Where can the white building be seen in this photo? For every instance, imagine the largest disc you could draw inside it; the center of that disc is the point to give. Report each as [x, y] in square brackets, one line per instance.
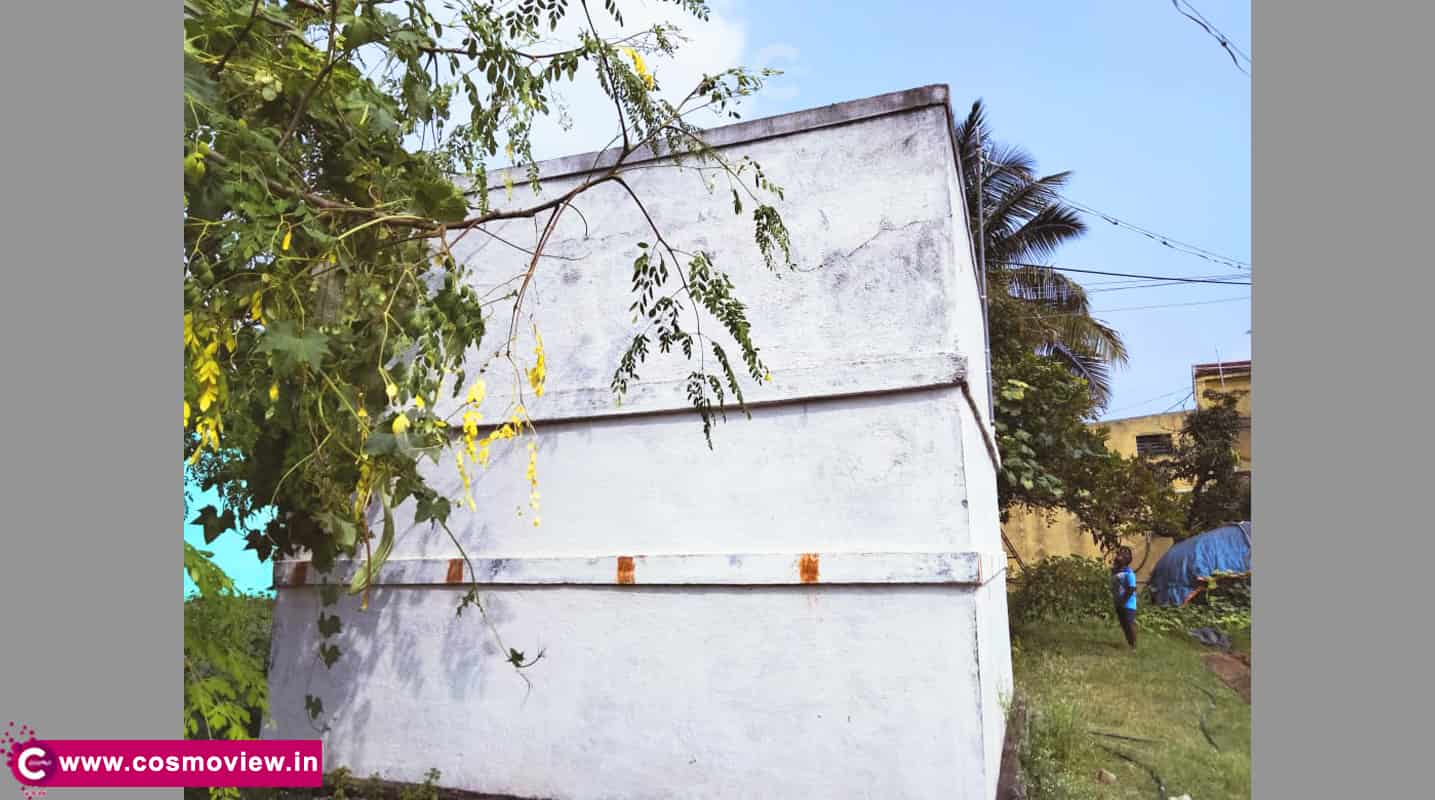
[815, 608]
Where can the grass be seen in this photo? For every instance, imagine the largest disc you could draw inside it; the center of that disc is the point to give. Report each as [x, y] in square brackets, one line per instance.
[1080, 677]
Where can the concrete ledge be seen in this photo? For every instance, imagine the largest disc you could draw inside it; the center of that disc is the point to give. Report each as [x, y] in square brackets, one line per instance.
[792, 385]
[738, 133]
[706, 569]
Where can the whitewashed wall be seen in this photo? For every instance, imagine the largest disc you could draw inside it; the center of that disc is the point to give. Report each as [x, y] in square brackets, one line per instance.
[720, 666]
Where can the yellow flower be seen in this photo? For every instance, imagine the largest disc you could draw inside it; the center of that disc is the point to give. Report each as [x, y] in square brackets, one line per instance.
[186, 414]
[288, 237]
[767, 377]
[477, 392]
[273, 392]
[419, 401]
[639, 67]
[539, 373]
[391, 390]
[363, 415]
[401, 423]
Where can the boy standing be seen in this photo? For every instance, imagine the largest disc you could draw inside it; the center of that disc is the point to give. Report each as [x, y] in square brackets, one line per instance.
[1123, 592]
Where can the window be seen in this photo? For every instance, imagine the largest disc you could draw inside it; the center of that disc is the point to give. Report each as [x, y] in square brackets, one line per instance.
[1154, 444]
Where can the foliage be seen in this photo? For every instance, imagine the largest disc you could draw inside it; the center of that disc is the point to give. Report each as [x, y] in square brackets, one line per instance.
[226, 655]
[1053, 459]
[1061, 588]
[1022, 221]
[1040, 421]
[1053, 737]
[325, 309]
[1206, 457]
[1117, 499]
[1075, 588]
[1050, 359]
[1224, 603]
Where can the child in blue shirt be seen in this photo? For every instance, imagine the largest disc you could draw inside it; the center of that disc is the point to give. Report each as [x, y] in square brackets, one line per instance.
[1123, 592]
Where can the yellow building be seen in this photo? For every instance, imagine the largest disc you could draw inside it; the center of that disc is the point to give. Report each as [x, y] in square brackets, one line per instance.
[1033, 536]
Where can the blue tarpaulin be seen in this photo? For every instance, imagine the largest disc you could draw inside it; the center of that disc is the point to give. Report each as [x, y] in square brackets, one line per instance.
[1179, 574]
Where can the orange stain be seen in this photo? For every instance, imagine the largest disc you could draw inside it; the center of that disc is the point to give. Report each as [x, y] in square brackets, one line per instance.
[455, 570]
[625, 569]
[807, 567]
[300, 574]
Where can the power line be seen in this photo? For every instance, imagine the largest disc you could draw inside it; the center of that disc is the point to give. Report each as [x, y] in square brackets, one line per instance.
[1152, 400]
[1094, 312]
[1190, 394]
[1173, 305]
[1167, 241]
[1142, 285]
[1119, 282]
[1161, 238]
[1231, 48]
[1172, 278]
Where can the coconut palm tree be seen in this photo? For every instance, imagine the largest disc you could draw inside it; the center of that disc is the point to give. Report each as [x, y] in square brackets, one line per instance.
[1023, 221]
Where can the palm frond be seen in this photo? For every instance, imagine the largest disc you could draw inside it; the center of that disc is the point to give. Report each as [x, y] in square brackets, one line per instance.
[1096, 372]
[1039, 237]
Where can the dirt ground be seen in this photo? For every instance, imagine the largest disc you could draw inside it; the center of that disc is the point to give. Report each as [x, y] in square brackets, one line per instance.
[1234, 670]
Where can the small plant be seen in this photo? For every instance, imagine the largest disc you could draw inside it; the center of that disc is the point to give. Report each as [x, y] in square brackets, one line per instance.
[1061, 588]
[428, 790]
[339, 781]
[1054, 736]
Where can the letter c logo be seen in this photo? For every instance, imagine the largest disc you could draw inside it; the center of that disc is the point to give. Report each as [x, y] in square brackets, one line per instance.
[22, 763]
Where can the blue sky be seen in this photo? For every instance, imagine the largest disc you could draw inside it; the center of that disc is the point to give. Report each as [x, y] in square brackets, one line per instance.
[1137, 101]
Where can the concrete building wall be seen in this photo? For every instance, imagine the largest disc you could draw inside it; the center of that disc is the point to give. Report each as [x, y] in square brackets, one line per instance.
[813, 608]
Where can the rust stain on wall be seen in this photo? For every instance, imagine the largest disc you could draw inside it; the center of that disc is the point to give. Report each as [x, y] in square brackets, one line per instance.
[625, 569]
[807, 567]
[300, 574]
[455, 570]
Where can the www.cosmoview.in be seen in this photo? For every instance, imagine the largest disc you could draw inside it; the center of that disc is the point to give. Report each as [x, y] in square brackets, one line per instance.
[166, 763]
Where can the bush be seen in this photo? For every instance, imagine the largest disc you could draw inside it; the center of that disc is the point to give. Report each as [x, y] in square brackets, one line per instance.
[1224, 603]
[1063, 588]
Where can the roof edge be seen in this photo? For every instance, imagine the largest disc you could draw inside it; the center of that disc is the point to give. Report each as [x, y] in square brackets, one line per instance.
[742, 132]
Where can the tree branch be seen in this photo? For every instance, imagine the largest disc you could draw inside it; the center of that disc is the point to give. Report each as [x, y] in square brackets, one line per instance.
[238, 40]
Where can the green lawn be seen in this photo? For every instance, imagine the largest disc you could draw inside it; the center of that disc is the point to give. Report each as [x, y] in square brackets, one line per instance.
[1080, 677]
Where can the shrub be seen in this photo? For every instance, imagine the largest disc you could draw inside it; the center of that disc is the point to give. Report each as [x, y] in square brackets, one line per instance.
[1053, 737]
[1061, 588]
[1224, 603]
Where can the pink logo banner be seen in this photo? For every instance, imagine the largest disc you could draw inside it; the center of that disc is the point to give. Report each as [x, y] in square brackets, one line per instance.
[51, 763]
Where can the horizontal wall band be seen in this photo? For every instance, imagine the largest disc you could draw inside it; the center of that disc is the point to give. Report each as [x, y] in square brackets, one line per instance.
[849, 378]
[705, 569]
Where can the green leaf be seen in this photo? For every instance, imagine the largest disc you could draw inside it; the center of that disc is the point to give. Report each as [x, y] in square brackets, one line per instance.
[328, 653]
[380, 443]
[441, 200]
[213, 522]
[329, 625]
[207, 575]
[314, 706]
[292, 348]
[432, 507]
[341, 528]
